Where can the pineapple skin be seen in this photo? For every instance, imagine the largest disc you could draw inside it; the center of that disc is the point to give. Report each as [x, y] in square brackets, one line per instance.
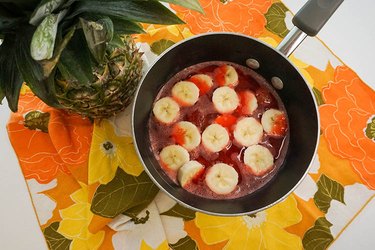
[113, 88]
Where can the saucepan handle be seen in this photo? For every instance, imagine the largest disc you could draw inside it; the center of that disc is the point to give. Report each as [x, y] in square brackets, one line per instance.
[308, 21]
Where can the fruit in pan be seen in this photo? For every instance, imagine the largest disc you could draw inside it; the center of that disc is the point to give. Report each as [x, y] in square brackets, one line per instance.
[215, 138]
[274, 122]
[188, 172]
[203, 82]
[249, 102]
[226, 75]
[166, 110]
[187, 135]
[185, 93]
[248, 131]
[258, 158]
[221, 178]
[225, 100]
[226, 120]
[174, 156]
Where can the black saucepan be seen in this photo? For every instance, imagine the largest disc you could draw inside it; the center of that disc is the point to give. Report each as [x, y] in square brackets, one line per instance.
[295, 94]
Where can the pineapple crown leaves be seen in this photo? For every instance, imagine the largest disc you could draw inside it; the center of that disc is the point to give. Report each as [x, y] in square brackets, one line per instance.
[39, 37]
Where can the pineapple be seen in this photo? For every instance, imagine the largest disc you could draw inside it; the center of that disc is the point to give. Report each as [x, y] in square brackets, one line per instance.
[77, 55]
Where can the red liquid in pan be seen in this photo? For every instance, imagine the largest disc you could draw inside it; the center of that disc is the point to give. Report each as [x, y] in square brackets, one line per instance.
[203, 114]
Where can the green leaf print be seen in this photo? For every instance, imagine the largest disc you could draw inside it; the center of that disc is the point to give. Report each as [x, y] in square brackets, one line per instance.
[318, 96]
[319, 236]
[181, 212]
[55, 240]
[370, 129]
[328, 190]
[161, 45]
[123, 193]
[276, 19]
[184, 244]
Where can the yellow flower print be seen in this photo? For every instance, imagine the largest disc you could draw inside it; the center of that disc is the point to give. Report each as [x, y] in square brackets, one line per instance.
[296, 62]
[75, 222]
[264, 230]
[163, 246]
[155, 33]
[109, 151]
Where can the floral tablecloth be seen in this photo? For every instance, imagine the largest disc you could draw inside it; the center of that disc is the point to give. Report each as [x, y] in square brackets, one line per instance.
[89, 189]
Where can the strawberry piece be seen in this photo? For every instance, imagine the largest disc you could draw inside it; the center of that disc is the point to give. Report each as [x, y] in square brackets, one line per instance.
[219, 75]
[178, 135]
[201, 84]
[279, 126]
[264, 97]
[226, 120]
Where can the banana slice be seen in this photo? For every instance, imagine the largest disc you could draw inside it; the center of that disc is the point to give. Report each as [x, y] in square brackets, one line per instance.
[203, 82]
[188, 171]
[166, 110]
[249, 102]
[185, 93]
[274, 122]
[215, 138]
[174, 156]
[248, 131]
[258, 158]
[187, 135]
[225, 100]
[221, 178]
[226, 75]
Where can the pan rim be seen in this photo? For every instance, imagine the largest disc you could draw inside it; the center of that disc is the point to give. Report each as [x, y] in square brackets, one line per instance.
[188, 205]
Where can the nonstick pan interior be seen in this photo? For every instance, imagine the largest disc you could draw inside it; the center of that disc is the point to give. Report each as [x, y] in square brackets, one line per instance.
[296, 96]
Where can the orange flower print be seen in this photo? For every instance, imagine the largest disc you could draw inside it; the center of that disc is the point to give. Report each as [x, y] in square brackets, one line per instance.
[243, 16]
[47, 140]
[347, 119]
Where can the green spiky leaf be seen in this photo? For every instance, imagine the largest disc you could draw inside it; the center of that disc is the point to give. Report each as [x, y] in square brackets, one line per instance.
[9, 77]
[122, 26]
[75, 59]
[190, 4]
[43, 41]
[61, 43]
[44, 8]
[2, 93]
[97, 35]
[32, 72]
[132, 10]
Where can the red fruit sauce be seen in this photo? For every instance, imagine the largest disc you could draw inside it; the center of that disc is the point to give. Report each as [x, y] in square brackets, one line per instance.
[203, 114]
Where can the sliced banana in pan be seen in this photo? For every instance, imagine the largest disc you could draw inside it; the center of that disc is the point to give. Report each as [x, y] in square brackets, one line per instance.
[225, 100]
[248, 131]
[221, 178]
[187, 135]
[203, 82]
[274, 122]
[174, 156]
[226, 75]
[185, 93]
[258, 158]
[188, 172]
[215, 138]
[166, 110]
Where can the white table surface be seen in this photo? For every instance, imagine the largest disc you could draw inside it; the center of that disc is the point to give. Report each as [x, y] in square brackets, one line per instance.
[350, 34]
